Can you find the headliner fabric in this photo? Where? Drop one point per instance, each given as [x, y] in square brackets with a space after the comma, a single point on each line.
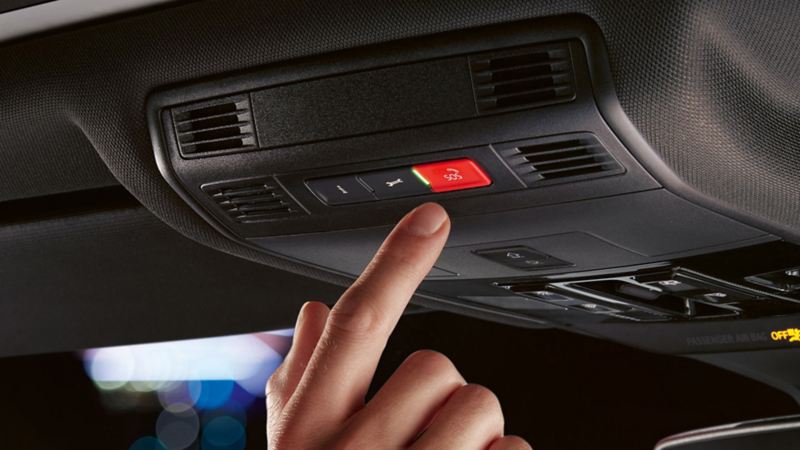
[711, 85]
[122, 276]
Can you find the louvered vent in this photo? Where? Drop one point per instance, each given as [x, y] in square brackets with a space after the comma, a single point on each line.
[560, 157]
[223, 125]
[253, 201]
[522, 78]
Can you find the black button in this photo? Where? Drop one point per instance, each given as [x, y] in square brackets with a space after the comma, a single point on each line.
[522, 258]
[394, 183]
[340, 190]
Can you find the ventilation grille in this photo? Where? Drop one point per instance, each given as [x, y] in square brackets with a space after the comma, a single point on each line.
[522, 78]
[560, 157]
[253, 201]
[224, 125]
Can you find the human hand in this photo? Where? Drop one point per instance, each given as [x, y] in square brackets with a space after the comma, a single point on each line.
[315, 399]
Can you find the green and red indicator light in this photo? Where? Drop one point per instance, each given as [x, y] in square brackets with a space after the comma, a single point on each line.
[452, 175]
[420, 177]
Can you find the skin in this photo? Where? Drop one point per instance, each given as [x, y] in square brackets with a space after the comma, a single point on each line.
[316, 398]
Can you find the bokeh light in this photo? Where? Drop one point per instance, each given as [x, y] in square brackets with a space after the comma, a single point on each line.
[224, 358]
[177, 398]
[232, 411]
[203, 387]
[210, 394]
[178, 430]
[147, 443]
[223, 433]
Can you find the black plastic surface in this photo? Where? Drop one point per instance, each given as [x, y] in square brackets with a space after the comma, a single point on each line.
[402, 96]
[592, 234]
[373, 151]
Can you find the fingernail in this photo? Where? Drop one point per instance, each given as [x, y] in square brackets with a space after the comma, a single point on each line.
[425, 220]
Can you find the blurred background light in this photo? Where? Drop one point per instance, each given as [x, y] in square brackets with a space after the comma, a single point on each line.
[231, 411]
[242, 357]
[147, 443]
[203, 387]
[177, 430]
[210, 394]
[223, 433]
[176, 398]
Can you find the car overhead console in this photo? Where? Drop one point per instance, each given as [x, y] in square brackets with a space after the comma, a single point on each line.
[562, 214]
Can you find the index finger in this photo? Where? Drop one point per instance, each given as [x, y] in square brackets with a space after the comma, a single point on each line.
[358, 327]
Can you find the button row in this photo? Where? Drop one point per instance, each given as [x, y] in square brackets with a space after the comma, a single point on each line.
[443, 176]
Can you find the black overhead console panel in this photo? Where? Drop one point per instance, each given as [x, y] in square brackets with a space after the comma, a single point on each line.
[562, 214]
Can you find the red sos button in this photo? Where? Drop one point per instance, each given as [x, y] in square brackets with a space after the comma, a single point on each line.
[453, 175]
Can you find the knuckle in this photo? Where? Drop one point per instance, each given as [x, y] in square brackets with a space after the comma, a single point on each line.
[431, 363]
[361, 323]
[275, 383]
[481, 399]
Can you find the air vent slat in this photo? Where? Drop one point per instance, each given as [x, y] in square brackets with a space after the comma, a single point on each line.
[523, 84]
[211, 116]
[207, 111]
[191, 132]
[249, 190]
[544, 150]
[544, 165]
[244, 136]
[253, 201]
[220, 125]
[522, 78]
[518, 60]
[522, 98]
[216, 145]
[214, 135]
[522, 92]
[262, 207]
[522, 72]
[518, 73]
[560, 158]
[550, 172]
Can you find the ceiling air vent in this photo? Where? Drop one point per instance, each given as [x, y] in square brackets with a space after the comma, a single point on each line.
[522, 78]
[559, 158]
[222, 125]
[253, 201]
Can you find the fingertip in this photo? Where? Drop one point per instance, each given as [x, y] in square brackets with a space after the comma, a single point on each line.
[314, 306]
[311, 309]
[510, 442]
[425, 220]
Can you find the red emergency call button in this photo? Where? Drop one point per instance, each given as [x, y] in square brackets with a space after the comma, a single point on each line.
[453, 175]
